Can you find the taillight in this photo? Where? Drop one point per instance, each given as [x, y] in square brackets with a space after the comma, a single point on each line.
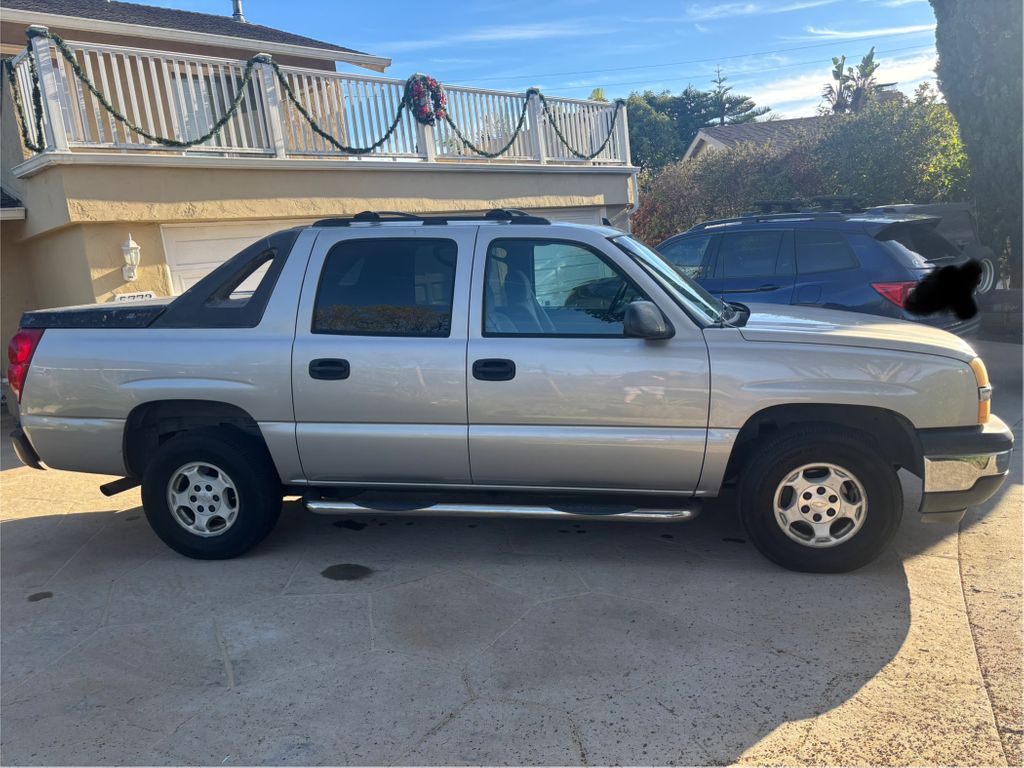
[895, 292]
[19, 355]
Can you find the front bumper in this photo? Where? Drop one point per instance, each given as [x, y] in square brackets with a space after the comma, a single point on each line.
[964, 466]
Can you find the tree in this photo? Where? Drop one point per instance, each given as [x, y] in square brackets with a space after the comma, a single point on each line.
[662, 125]
[852, 88]
[979, 70]
[889, 152]
[598, 95]
[729, 108]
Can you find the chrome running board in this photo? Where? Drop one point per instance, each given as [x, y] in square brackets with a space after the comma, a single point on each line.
[450, 509]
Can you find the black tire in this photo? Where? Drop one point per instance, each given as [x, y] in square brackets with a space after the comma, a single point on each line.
[775, 457]
[247, 463]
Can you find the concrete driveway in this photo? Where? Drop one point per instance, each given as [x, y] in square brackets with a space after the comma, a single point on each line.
[453, 641]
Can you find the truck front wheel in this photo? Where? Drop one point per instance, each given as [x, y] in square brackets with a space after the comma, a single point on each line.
[211, 494]
[820, 499]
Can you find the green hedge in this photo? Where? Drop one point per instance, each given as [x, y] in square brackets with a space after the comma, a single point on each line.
[898, 151]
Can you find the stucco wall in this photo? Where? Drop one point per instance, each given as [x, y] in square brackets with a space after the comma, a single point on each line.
[102, 247]
[16, 291]
[200, 189]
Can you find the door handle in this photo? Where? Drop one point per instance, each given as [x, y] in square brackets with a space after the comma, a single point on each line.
[759, 289]
[494, 369]
[329, 368]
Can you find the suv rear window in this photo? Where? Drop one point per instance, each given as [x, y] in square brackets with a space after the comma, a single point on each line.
[923, 240]
[822, 250]
[387, 287]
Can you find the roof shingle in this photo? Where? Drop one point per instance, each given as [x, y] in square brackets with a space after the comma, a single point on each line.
[779, 132]
[170, 18]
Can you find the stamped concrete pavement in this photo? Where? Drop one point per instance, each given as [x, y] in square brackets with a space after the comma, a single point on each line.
[382, 640]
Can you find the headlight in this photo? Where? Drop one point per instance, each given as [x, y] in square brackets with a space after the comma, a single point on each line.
[984, 390]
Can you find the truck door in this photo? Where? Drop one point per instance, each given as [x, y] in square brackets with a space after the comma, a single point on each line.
[559, 397]
[379, 360]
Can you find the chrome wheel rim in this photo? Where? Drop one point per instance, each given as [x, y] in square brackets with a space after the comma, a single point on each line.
[820, 505]
[988, 276]
[202, 498]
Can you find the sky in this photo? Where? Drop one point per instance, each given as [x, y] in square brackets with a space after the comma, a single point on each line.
[776, 51]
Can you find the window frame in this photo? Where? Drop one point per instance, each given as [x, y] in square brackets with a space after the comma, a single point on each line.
[373, 334]
[607, 260]
[842, 236]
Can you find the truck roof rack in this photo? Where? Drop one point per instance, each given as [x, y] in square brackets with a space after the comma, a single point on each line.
[767, 218]
[498, 215]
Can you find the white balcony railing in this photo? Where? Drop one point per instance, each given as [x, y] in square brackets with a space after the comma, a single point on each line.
[183, 96]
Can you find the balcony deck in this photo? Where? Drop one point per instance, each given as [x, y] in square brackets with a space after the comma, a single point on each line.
[182, 97]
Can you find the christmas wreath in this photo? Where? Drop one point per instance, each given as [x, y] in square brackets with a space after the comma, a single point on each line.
[426, 98]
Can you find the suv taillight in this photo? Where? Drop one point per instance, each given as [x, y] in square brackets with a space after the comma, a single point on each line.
[19, 355]
[895, 292]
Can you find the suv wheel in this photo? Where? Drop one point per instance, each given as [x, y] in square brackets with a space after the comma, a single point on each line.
[211, 494]
[820, 499]
[988, 276]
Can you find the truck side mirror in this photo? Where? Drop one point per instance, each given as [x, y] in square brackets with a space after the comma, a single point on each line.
[644, 320]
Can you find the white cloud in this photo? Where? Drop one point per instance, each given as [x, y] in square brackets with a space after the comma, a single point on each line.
[505, 33]
[800, 95]
[701, 28]
[826, 33]
[726, 10]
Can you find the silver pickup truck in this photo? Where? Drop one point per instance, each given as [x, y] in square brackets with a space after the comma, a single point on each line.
[501, 365]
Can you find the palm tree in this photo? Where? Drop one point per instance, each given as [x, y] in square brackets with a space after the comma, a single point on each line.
[852, 88]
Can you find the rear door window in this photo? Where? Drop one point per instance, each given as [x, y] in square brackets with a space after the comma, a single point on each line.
[752, 254]
[822, 250]
[387, 287]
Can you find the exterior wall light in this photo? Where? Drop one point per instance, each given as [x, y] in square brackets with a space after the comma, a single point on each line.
[132, 254]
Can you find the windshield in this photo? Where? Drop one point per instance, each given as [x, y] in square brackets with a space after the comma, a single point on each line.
[687, 293]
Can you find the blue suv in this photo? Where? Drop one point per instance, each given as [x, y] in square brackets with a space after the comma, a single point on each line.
[859, 262]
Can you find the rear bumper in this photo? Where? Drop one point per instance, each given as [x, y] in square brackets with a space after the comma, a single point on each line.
[23, 448]
[964, 466]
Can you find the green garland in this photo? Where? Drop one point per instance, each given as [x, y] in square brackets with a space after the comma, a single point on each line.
[408, 101]
[37, 104]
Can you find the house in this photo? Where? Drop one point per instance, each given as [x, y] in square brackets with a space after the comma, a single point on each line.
[778, 132]
[87, 182]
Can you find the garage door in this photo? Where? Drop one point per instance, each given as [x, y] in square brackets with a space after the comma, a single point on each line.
[194, 250]
[574, 215]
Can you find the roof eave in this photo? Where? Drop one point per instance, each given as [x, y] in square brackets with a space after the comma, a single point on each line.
[368, 61]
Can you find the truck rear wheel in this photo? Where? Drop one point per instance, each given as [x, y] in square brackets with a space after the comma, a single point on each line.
[211, 494]
[820, 499]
